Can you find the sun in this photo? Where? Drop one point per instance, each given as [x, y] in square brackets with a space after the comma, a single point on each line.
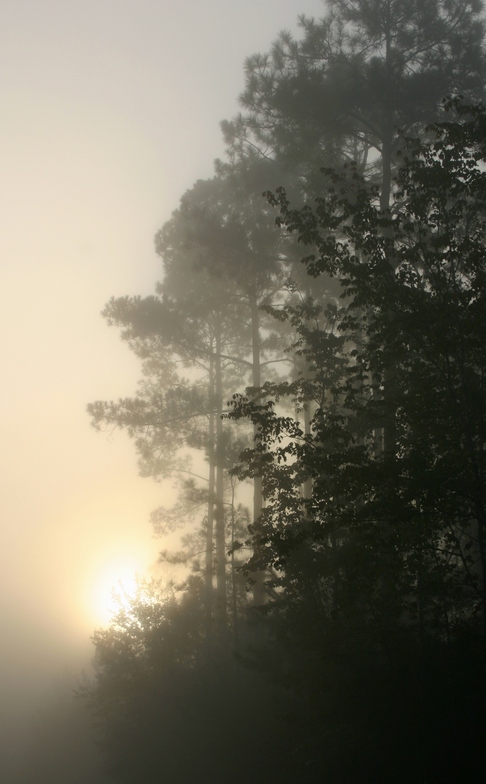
[116, 577]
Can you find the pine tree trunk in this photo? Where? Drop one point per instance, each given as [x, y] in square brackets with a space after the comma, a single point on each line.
[210, 514]
[233, 568]
[258, 587]
[221, 620]
[389, 381]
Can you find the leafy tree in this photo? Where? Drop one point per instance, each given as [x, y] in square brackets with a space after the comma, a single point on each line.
[346, 88]
[383, 567]
[164, 710]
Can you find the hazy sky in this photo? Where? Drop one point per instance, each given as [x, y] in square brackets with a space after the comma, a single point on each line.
[109, 111]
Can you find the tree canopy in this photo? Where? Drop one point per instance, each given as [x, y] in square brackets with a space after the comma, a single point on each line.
[322, 636]
[388, 552]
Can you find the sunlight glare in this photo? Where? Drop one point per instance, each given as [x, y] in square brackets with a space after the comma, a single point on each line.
[114, 586]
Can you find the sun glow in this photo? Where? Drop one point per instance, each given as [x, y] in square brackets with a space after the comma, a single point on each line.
[113, 587]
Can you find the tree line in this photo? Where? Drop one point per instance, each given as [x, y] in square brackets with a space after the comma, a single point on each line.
[323, 344]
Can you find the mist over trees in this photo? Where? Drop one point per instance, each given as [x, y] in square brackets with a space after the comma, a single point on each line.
[313, 382]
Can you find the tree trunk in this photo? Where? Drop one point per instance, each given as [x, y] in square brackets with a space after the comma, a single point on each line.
[210, 514]
[219, 505]
[388, 120]
[389, 381]
[233, 567]
[258, 587]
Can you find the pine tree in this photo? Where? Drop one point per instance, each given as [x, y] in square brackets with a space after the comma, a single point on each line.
[355, 78]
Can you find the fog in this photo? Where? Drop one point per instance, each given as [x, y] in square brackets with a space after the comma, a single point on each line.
[109, 112]
[300, 593]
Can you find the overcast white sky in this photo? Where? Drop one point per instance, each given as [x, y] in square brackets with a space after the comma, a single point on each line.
[109, 111]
